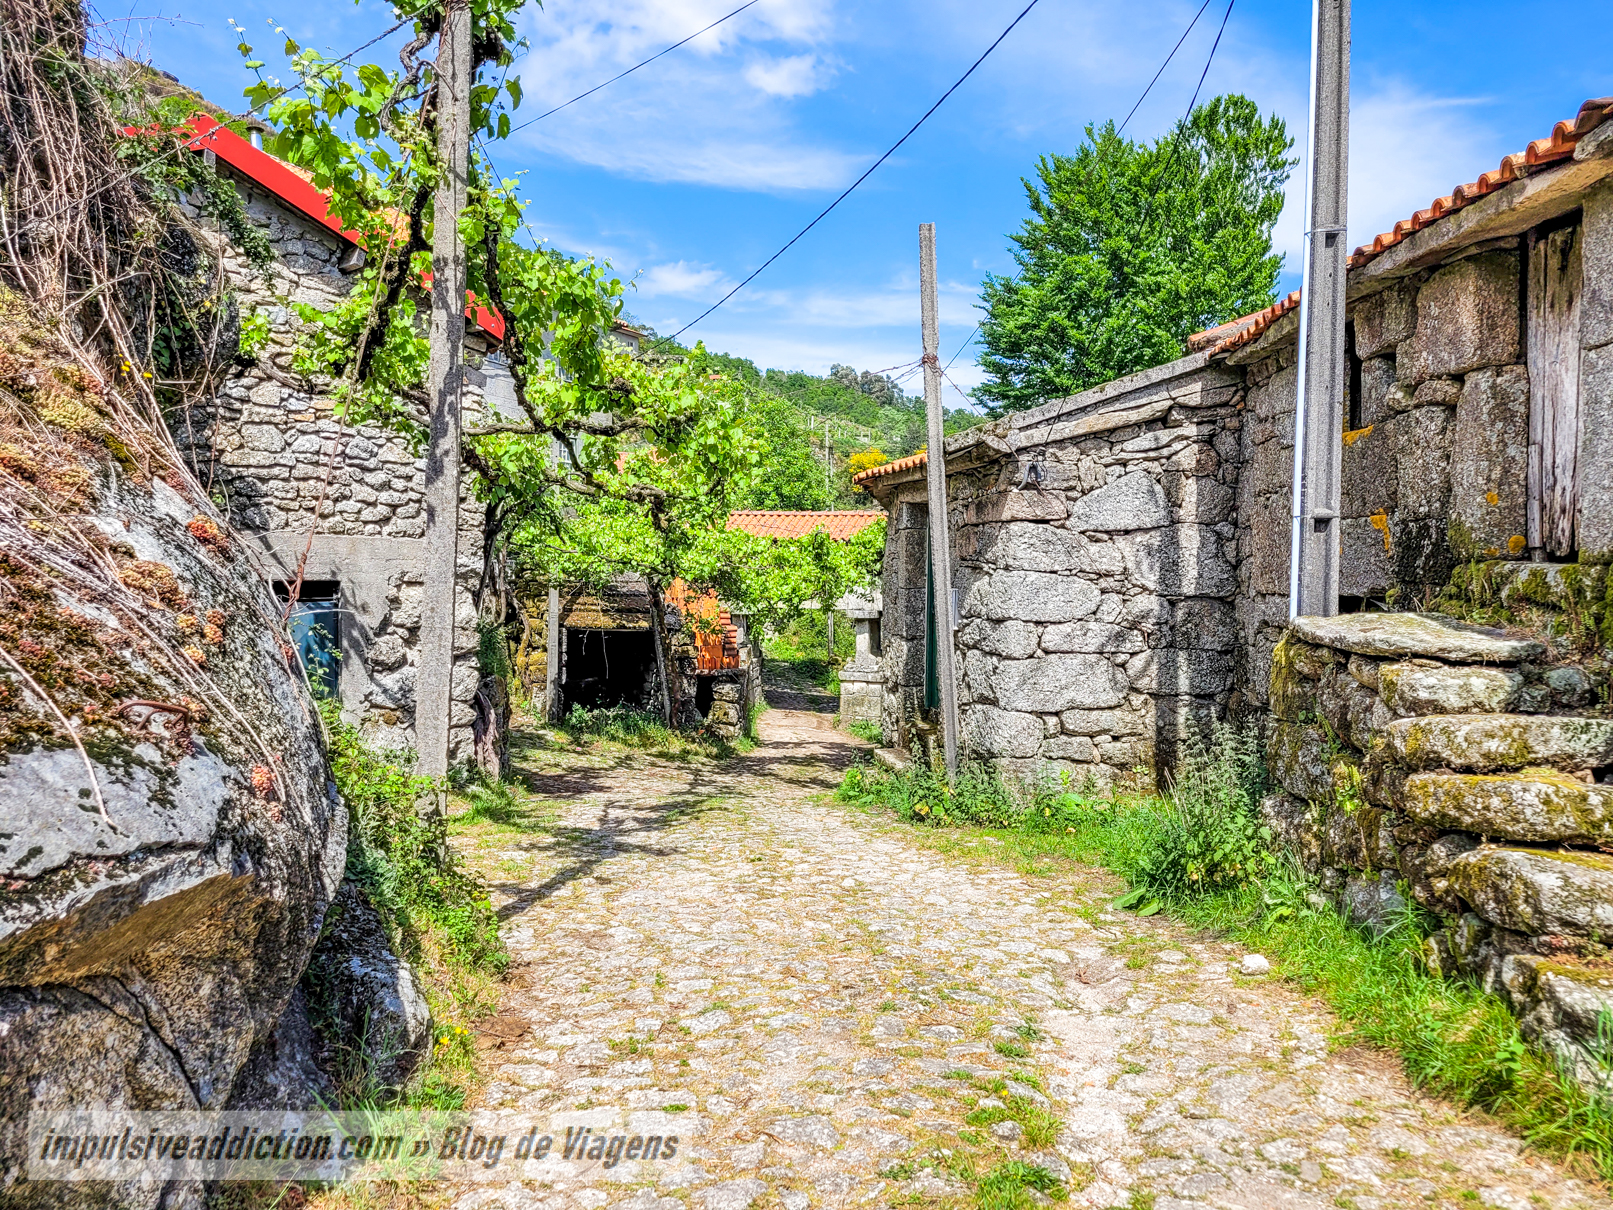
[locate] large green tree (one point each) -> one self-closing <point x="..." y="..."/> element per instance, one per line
<point x="1131" y="247"/>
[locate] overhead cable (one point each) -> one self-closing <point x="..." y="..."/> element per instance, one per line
<point x="890" y="151"/>
<point x="1132" y="113"/>
<point x="636" y="66"/>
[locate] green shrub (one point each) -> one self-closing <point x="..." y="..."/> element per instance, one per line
<point x="402" y="859"/>
<point x="866" y="731"/>
<point x="618" y="725"/>
<point x="1211" y="837"/>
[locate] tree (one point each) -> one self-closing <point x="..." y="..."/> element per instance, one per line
<point x="1132" y="247"/>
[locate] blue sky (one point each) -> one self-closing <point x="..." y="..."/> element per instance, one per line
<point x="689" y="173"/>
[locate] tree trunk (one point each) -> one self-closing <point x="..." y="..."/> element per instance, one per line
<point x="662" y="657"/>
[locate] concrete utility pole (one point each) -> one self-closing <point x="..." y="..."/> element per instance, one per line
<point x="1313" y="570"/>
<point x="940" y="542"/>
<point x="434" y="675"/>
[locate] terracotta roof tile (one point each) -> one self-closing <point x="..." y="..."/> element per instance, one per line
<point x="1235" y="333"/>
<point x="1559" y="145"/>
<point x="889" y="468"/>
<point x="841" y="524"/>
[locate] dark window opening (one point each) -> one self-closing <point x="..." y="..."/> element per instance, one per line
<point x="315" y="622"/>
<point x="608" y="668"/>
<point x="704" y="694"/>
<point x="1353" y="414"/>
<point x="1359" y="605"/>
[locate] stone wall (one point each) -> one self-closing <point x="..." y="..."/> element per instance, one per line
<point x="302" y="485"/>
<point x="1459" y="768"/>
<point x="1437" y="433"/>
<point x="1094" y="569"/>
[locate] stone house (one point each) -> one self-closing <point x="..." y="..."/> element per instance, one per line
<point x="862" y="677"/>
<point x="1121" y="556"/>
<point x="595" y="649"/>
<point x="341" y="504"/>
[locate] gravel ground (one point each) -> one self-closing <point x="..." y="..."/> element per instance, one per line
<point x="818" y="1004"/>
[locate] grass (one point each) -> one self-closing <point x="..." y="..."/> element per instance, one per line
<point x="866" y="731"/>
<point x="1453" y="1039"/>
<point x="437" y="912"/>
<point x="645" y="731"/>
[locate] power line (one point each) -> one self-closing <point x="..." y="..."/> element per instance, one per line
<point x="1163" y="66"/>
<point x="1181" y="129"/>
<point x="636" y="66"/>
<point x="824" y="213"/>
<point x="970" y="339"/>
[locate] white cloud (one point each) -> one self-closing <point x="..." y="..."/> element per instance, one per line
<point x="715" y="112"/>
<point x="680" y="279"/>
<point x="796" y="76"/>
<point x="1407" y="148"/>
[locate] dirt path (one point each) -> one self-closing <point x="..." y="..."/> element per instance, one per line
<point x="822" y="1001"/>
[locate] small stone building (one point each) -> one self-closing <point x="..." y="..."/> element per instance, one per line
<point x="343" y="505"/>
<point x="862" y="678"/>
<point x="1120" y="557"/>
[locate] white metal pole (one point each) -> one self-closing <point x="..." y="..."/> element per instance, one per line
<point x="1314" y="551"/>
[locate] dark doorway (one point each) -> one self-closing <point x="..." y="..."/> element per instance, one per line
<point x="315" y="622"/>
<point x="704" y="694"/>
<point x="608" y="668"/>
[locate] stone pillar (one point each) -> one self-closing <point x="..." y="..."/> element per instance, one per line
<point x="862" y="680"/>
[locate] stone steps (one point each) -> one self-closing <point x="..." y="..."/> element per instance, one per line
<point x="1538" y="892"/>
<point x="1534" y="805"/>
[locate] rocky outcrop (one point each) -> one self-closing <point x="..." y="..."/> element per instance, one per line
<point x="1403" y="774"/>
<point x="171" y="839"/>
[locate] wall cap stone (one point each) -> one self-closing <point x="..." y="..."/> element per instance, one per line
<point x="1415" y="634"/>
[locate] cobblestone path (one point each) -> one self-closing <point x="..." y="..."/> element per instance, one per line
<point x="817" y="1006"/>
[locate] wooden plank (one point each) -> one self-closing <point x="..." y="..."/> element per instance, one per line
<point x="1556" y="281"/>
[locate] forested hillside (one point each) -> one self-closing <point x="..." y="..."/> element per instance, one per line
<point x="819" y="430"/>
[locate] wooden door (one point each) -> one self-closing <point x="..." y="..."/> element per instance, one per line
<point x="1555" y="277"/>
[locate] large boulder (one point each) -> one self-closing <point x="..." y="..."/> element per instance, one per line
<point x="171" y="839"/>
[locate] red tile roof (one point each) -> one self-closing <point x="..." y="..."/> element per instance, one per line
<point x="889" y="468"/>
<point x="1235" y="333"/>
<point x="291" y="185"/>
<point x="840" y="524"/>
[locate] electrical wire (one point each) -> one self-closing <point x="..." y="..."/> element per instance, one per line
<point x="1163" y="66"/>
<point x="824" y="213"/>
<point x="580" y="96"/>
<point x="970" y="338"/>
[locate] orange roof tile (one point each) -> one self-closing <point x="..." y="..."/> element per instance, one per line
<point x="889" y="468"/>
<point x="841" y="524"/>
<point x="1559" y="145"/>
<point x="1235" y="333"/>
